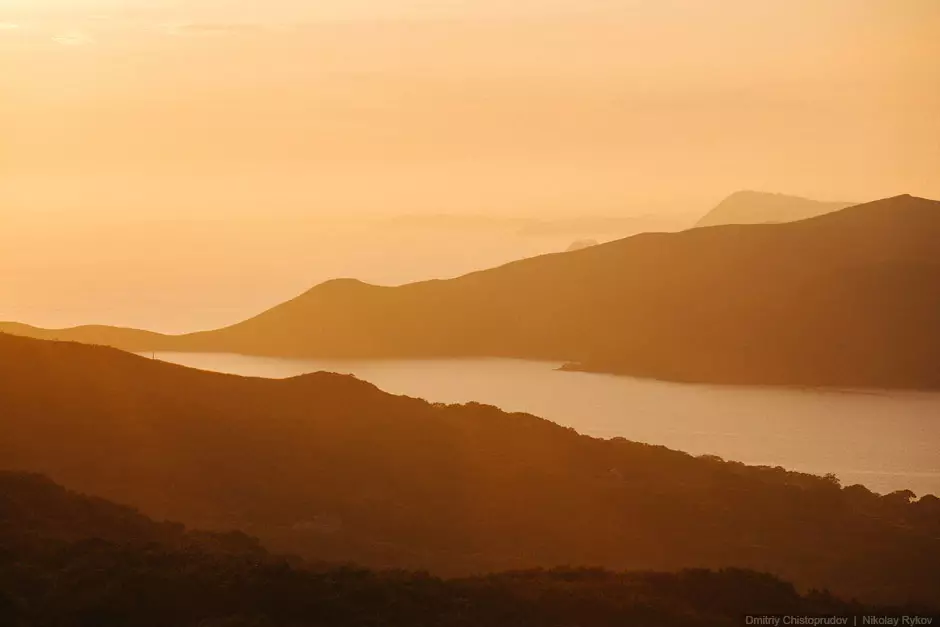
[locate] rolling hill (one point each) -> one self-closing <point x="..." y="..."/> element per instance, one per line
<point x="334" y="469"/>
<point x="847" y="299"/>
<point x="749" y="207"/>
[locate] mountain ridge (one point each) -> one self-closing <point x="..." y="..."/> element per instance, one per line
<point x="843" y="299"/>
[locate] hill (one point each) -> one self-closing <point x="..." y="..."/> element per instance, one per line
<point x="116" y="567"/>
<point x="127" y="339"/>
<point x="334" y="469"/>
<point x="848" y="299"/>
<point x="749" y="207"/>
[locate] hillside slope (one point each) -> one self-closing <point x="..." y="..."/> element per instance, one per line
<point x="333" y="468"/>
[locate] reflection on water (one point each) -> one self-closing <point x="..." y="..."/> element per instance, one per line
<point x="884" y="440"/>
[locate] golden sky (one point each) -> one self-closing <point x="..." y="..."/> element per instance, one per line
<point x="122" y="114"/>
<point x="149" y="106"/>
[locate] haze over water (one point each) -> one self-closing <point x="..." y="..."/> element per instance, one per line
<point x="883" y="440"/>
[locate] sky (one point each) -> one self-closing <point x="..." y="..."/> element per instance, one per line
<point x="226" y="123"/>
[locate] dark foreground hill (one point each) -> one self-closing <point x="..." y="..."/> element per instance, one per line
<point x="749" y="207"/>
<point x="333" y="468"/>
<point x="849" y="299"/>
<point x="71" y="560"/>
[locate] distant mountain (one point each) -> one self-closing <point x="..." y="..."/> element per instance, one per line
<point x="749" y="207"/>
<point x="334" y="469"/>
<point x="848" y="299"/>
<point x="67" y="559"/>
<point x="582" y="244"/>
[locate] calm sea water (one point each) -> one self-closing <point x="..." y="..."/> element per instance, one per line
<point x="884" y="440"/>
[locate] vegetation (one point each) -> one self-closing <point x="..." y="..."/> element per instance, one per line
<point x="69" y="560"/>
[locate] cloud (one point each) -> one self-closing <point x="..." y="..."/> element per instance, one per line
<point x="9" y="26"/>
<point x="73" y="38"/>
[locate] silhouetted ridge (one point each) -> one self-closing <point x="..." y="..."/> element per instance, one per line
<point x="336" y="470"/>
<point x="846" y="299"/>
<point x="904" y="208"/>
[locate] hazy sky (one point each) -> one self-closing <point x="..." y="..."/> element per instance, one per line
<point x="153" y="118"/>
